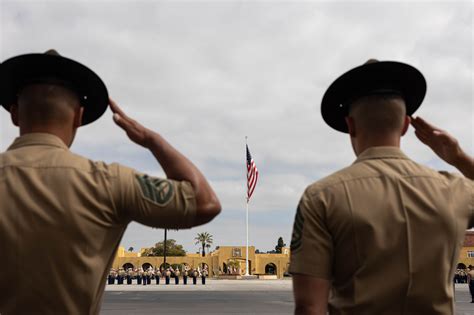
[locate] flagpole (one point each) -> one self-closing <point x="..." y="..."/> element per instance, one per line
<point x="247" y="230"/>
<point x="247" y="247"/>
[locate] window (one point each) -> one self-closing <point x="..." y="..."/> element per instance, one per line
<point x="470" y="254"/>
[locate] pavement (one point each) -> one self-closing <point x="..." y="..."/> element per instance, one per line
<point x="211" y="285"/>
<point x="220" y="297"/>
<point x="463" y="299"/>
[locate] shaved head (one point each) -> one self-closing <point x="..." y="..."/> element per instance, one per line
<point x="377" y="120"/>
<point x="379" y="114"/>
<point x="47" y="104"/>
<point x="48" y="108"/>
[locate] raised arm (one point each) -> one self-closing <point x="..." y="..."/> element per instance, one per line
<point x="175" y="165"/>
<point x="444" y="145"/>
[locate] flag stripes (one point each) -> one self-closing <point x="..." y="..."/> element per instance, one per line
<point x="252" y="174"/>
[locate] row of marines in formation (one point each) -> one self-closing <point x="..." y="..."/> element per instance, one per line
<point x="145" y="277"/>
<point x="461" y="275"/>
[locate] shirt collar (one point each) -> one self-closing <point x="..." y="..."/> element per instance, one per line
<point x="381" y="153"/>
<point x="42" y="139"/>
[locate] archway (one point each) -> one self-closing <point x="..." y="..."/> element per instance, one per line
<point x="145" y="266"/>
<point x="204" y="266"/>
<point x="184" y="266"/>
<point x="224" y="268"/>
<point x="177" y="266"/>
<point x="126" y="266"/>
<point x="163" y="267"/>
<point x="233" y="266"/>
<point x="461" y="266"/>
<point x="270" y="269"/>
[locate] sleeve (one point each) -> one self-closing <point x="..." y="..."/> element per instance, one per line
<point x="155" y="202"/>
<point x="470" y="189"/>
<point x="311" y="242"/>
<point x="462" y="193"/>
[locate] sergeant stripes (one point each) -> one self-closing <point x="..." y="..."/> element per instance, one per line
<point x="157" y="190"/>
<point x="297" y="231"/>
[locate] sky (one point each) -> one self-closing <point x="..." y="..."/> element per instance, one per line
<point x="205" y="74"/>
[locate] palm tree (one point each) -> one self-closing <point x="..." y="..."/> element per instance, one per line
<point x="204" y="239"/>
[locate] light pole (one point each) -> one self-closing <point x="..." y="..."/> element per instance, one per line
<point x="164" y="250"/>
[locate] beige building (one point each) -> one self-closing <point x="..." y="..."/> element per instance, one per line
<point x="226" y="261"/>
<point x="229" y="261"/>
<point x="466" y="255"/>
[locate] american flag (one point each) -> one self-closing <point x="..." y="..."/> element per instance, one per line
<point x="252" y="174"/>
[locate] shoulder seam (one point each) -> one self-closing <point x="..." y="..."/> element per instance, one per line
<point x="343" y="181"/>
<point x="91" y="171"/>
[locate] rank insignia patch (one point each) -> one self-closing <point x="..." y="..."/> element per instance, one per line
<point x="297" y="231"/>
<point x="157" y="190"/>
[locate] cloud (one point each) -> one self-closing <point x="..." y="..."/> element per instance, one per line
<point x="207" y="74"/>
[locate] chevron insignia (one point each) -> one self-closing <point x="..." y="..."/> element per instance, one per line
<point x="296" y="238"/>
<point x="158" y="190"/>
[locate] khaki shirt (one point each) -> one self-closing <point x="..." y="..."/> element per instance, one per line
<point x="470" y="274"/>
<point x="373" y="228"/>
<point x="63" y="214"/>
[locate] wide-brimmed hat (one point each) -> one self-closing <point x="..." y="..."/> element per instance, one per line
<point x="373" y="77"/>
<point x="50" y="67"/>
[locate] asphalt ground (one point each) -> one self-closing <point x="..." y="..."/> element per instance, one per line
<point x="220" y="297"/>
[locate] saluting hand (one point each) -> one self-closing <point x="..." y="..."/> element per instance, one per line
<point x="445" y="146"/>
<point x="135" y="131"/>
<point x="441" y="142"/>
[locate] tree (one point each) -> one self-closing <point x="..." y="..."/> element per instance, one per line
<point x="233" y="263"/>
<point x="280" y="245"/>
<point x="172" y="249"/>
<point x="203" y="239"/>
<point x="130" y="249"/>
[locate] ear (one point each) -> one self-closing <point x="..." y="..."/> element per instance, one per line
<point x="78" y="117"/>
<point x="14" y="114"/>
<point x="350" y="126"/>
<point x="406" y="125"/>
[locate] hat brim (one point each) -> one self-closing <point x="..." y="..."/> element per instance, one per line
<point x="400" y="78"/>
<point x="17" y="71"/>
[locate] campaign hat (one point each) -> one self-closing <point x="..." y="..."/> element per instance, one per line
<point x="50" y="67"/>
<point x="372" y="78"/>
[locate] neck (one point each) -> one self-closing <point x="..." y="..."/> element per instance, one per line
<point x="65" y="135"/>
<point x="361" y="144"/>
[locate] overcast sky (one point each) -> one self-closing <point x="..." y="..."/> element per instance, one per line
<point x="207" y="74"/>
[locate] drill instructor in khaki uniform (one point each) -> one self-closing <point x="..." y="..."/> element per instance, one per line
<point x="363" y="236"/>
<point x="65" y="214"/>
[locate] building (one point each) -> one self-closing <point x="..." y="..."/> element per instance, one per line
<point x="229" y="261"/>
<point x="225" y="261"/>
<point x="466" y="255"/>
